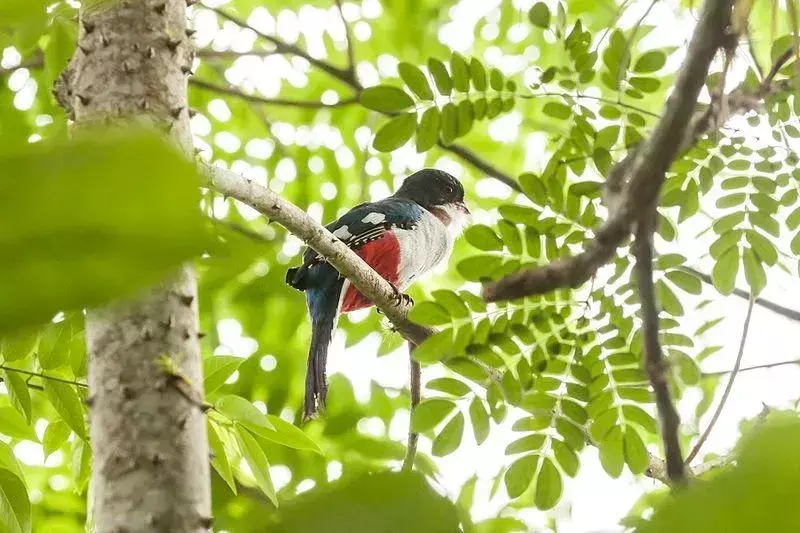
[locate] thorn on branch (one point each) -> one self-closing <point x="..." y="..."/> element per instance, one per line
<point x="160" y="8"/>
<point x="88" y="27"/>
<point x="104" y="40"/>
<point x="175" y="112"/>
<point x="172" y="44"/>
<point x="84" y="100"/>
<point x="85" y="49"/>
<point x="190" y="32"/>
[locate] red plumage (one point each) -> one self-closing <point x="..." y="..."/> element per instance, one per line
<point x="383" y="255"/>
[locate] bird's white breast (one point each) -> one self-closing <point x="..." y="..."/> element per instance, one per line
<point x="425" y="246"/>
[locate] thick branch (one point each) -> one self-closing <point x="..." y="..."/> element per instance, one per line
<point x="646" y="171"/>
<point x="305" y="104"/>
<point x="728" y="387"/>
<point x="654" y="362"/>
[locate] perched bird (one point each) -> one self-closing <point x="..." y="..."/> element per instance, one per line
<point x="401" y="237"/>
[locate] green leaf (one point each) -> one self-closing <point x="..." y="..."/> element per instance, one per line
<point x="528" y="443"/>
<point x="483" y="238"/>
<point x="548" y="486"/>
<point x="452" y="302"/>
<point x="241" y="410"/>
<point x="429" y="314"/>
<point x="219" y="459"/>
<point x="55" y="435"/>
<point x="72" y="225"/>
<point x="539" y="15"/>
<point x="460" y="72"/>
<point x="15" y="507"/>
<point x="724" y="272"/>
<point x="750" y="495"/>
<point x="496" y="79"/>
<point x="440" y="76"/>
<point x="795" y="244"/>
<point x="395" y="133"/>
<point x="557" y="110"/>
<point x="217" y="369"/>
<point x="650" y="62"/>
<point x="611" y="452"/>
<point x="428" y="129"/>
<point x="478" y="74"/>
<point x="68" y="404"/>
<point x="385" y="502"/>
<point x="731" y="200"/>
<point x="479" y="267"/>
<point x="18" y="393"/>
<point x="686" y="281"/>
<point x="480" y="420"/>
<point x="435" y="348"/>
<point x="18" y="344"/>
<point x="519" y="475"/>
<point x="449" y="439"/>
<point x="415" y="80"/>
<point x="566" y="457"/>
<point x="635" y="452"/>
<point x="429" y="414"/>
<point x="257" y="462"/>
<point x="449" y="386"/>
<point x="284" y="433"/>
<point x="449" y="122"/>
<point x="14" y="425"/>
<point x="385" y="98"/>
<point x="753" y="271"/>
<point x="466" y="117"/>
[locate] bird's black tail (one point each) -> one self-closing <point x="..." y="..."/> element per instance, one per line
<point x="323" y="306"/>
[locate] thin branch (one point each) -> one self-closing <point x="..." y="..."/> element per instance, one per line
<point x="37" y="61"/>
<point x="481" y="164"/>
<point x="208" y="53"/>
<point x="30" y="385"/>
<point x="596" y="98"/>
<point x="654" y="362"/>
<point x="778" y="65"/>
<point x="786" y="312"/>
<point x="43" y="376"/>
<point x="305" y="104"/>
<point x="415" y="385"/>
<point x="646" y="170"/>
<point x="728" y="387"/>
<point x="283" y="47"/>
<point x="351" y="53"/>
<point x="754" y="367"/>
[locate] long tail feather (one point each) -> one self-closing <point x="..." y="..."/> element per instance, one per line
<point x="323" y="306"/>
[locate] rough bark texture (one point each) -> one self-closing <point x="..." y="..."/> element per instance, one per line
<point x="150" y="462"/>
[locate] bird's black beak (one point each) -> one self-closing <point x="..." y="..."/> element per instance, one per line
<point x="463" y="208"/>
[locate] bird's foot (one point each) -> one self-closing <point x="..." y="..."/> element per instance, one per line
<point x="401" y="298"/>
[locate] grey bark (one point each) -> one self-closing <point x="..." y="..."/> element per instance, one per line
<point x="150" y="464"/>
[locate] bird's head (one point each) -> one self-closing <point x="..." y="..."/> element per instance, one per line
<point x="432" y="188"/>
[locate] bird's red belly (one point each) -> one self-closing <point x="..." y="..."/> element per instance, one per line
<point x="383" y="255"/>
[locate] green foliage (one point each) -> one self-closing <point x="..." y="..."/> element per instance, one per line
<point x="749" y="496"/>
<point x="96" y="218"/>
<point x="81" y="202"/>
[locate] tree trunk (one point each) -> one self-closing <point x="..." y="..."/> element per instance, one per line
<point x="150" y="466"/>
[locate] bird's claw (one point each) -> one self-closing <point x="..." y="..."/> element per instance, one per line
<point x="401" y="298"/>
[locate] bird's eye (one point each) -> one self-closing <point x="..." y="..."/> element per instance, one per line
<point x="449" y="189"/>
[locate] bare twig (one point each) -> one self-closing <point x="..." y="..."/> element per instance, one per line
<point x="608" y="101"/>
<point x="728" y="387"/>
<point x="654" y="362"/>
<point x="414" y="385"/>
<point x="791" y="314"/>
<point x="37" y="61"/>
<point x="305" y="104"/>
<point x="351" y="54"/>
<point x="481" y="164"/>
<point x="30" y="385"/>
<point x="778" y="65"/>
<point x="754" y="367"/>
<point x="43" y="376"/>
<point x="208" y="53"/>
<point x="283" y="47"/>
<point x="646" y="172"/>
